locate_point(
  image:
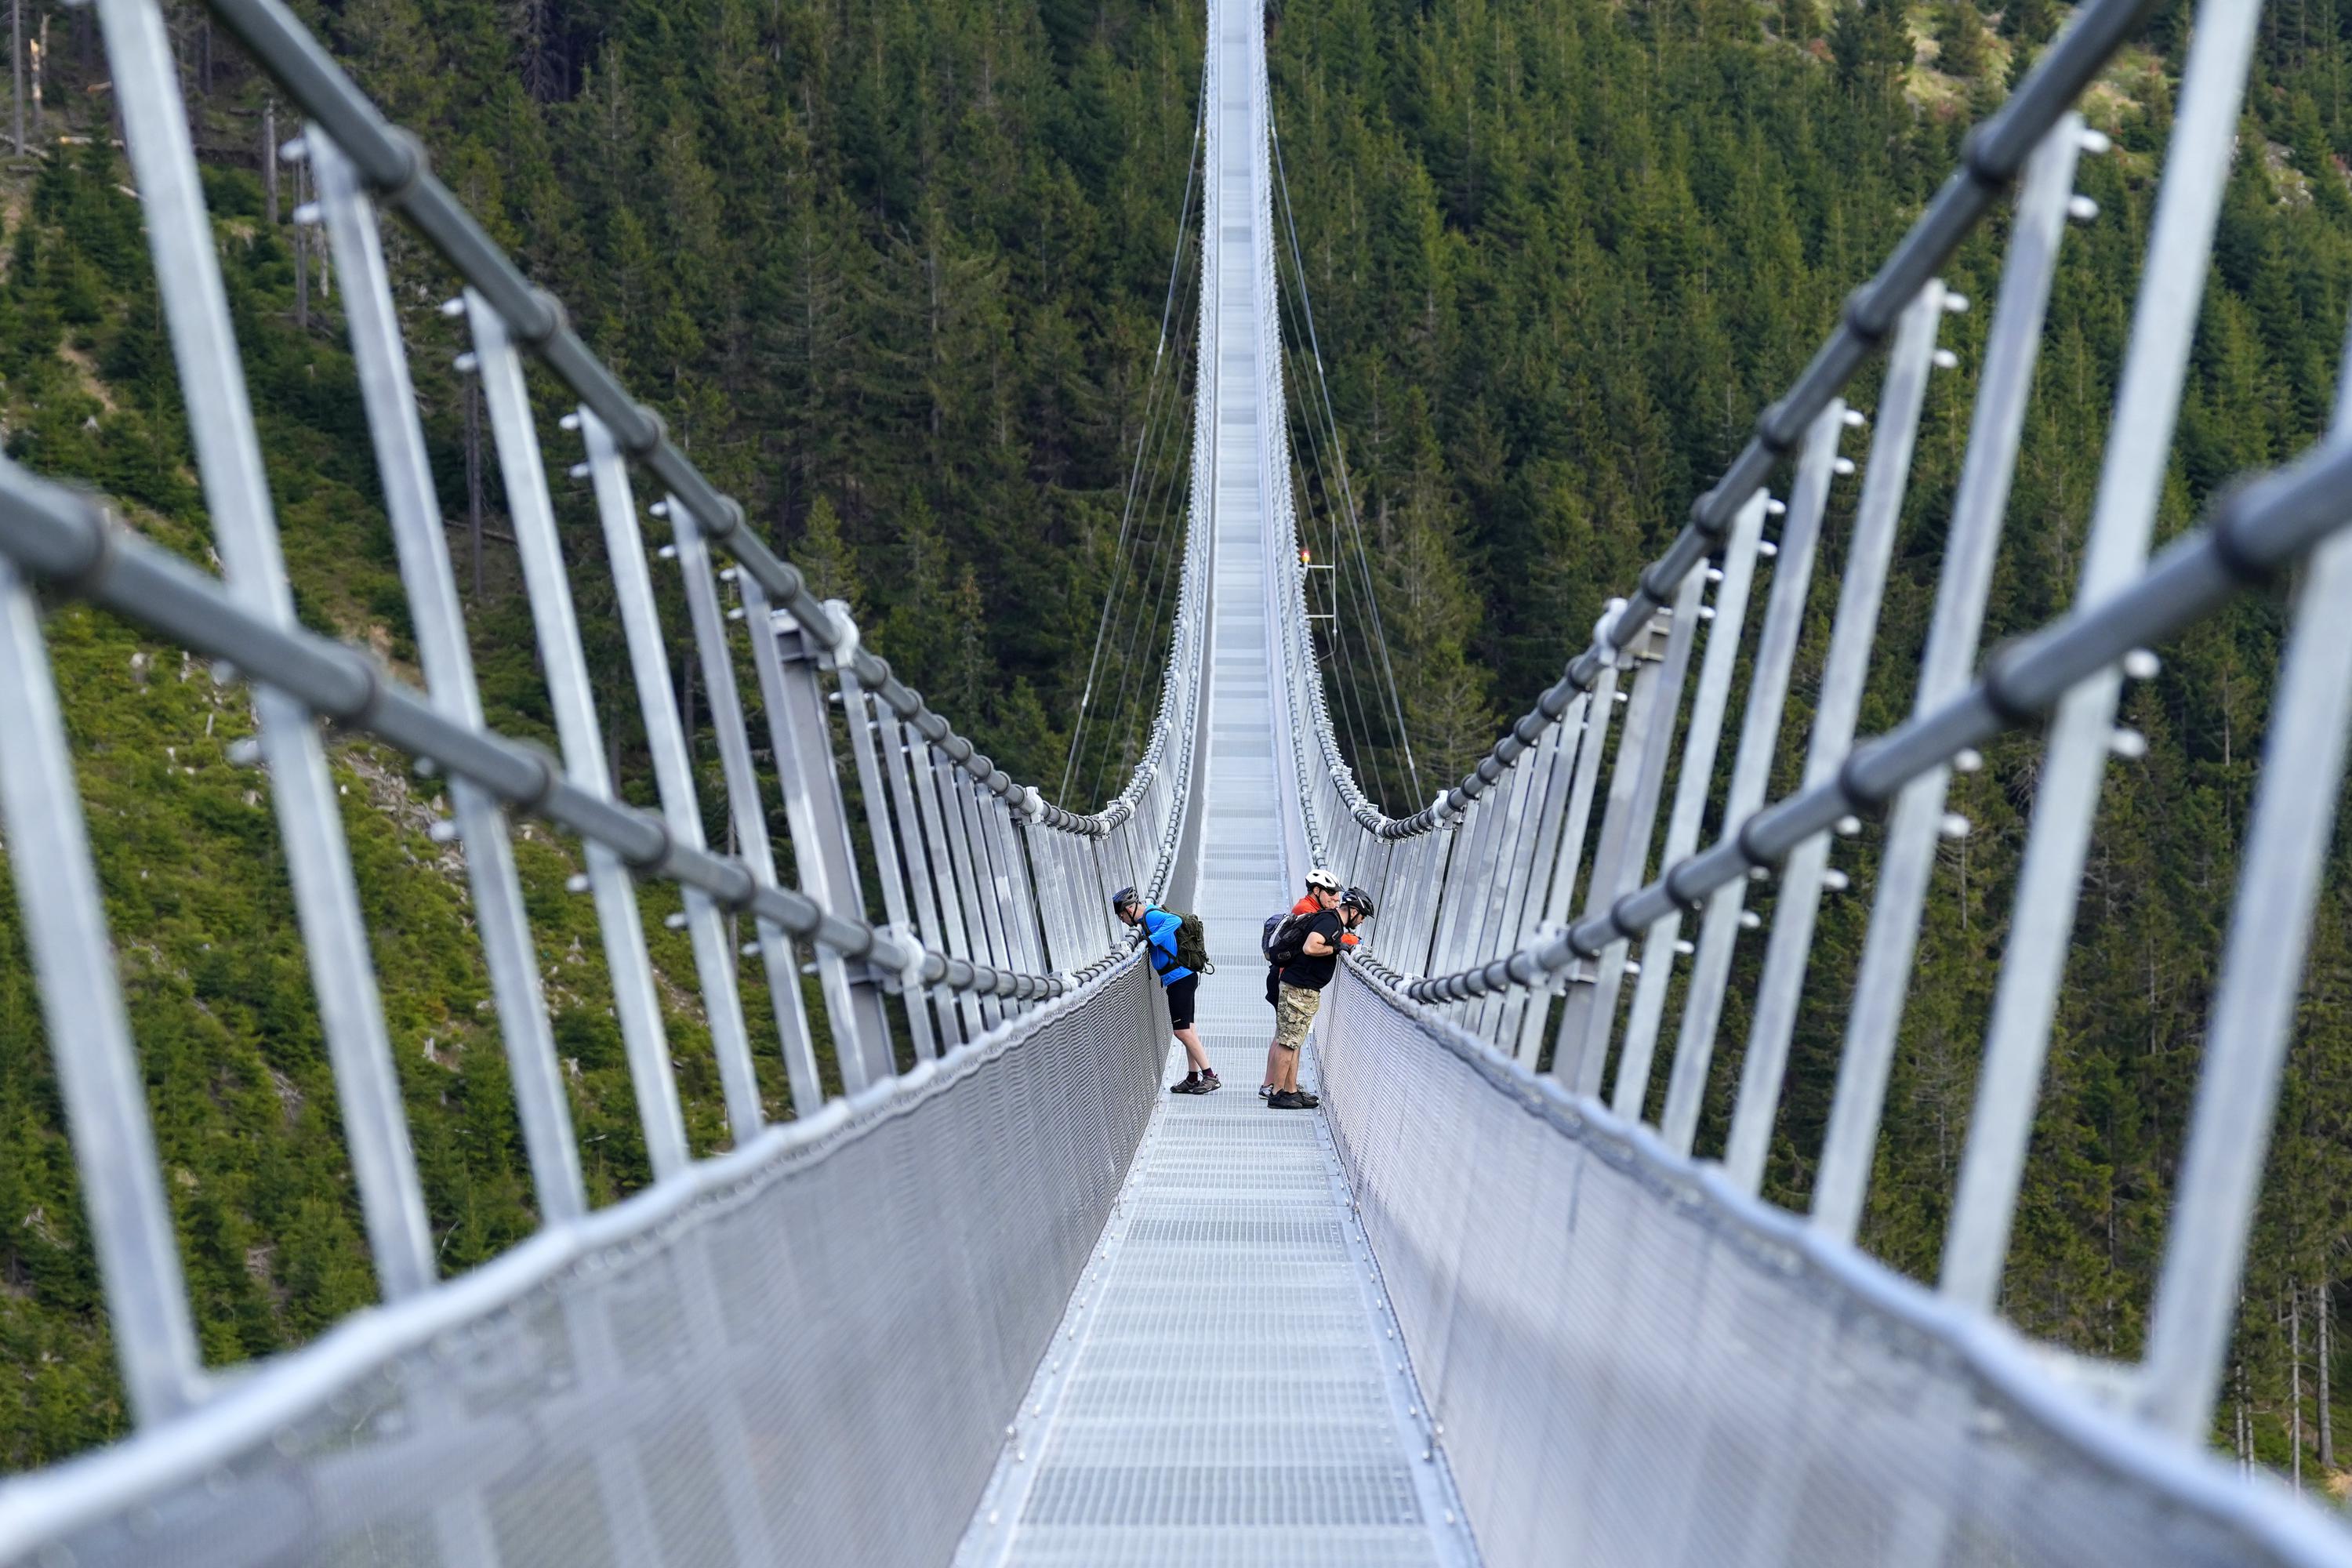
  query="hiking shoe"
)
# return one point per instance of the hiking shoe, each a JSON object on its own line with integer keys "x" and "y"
{"x": 1210, "y": 1083}
{"x": 1286, "y": 1101}
{"x": 1191, "y": 1085}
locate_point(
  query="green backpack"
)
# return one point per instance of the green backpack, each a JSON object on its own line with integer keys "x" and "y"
{"x": 1192, "y": 943}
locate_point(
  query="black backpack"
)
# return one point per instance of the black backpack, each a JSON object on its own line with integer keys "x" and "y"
{"x": 1285, "y": 939}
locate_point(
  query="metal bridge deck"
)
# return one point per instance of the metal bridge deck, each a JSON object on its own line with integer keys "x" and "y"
{"x": 1228, "y": 1386}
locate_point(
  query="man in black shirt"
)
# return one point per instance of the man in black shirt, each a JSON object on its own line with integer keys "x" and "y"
{"x": 1301, "y": 991}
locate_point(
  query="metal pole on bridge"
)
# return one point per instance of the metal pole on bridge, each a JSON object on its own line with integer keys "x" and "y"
{"x": 778, "y": 959}
{"x": 714, "y": 955}
{"x": 801, "y": 737}
{"x": 236, "y": 493}
{"x": 1906, "y": 857}
{"x": 1759, "y": 735}
{"x": 2074, "y": 758}
{"x": 636, "y": 1002}
{"x": 1837, "y": 710}
{"x": 542, "y": 1106}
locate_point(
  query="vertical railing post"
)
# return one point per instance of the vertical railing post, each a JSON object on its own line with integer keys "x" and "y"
{"x": 2074, "y": 757}
{"x": 1839, "y": 706}
{"x": 636, "y": 1002}
{"x": 989, "y": 891}
{"x": 933, "y": 780}
{"x": 1600, "y": 710}
{"x": 236, "y": 493}
{"x": 1906, "y": 859}
{"x": 2300, "y": 785}
{"x": 543, "y": 1108}
{"x": 859, "y": 717}
{"x": 666, "y": 738}
{"x": 723, "y": 696}
{"x": 98, "y": 1080}
{"x": 1559, "y": 768}
{"x": 800, "y": 734}
{"x": 1692, "y": 785}
{"x": 1519, "y": 866}
{"x": 1588, "y": 1016}
{"x": 1760, "y": 737}
{"x": 896, "y": 762}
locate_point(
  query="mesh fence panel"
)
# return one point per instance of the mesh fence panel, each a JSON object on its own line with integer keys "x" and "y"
{"x": 814, "y": 1365}
{"x": 1632, "y": 1368}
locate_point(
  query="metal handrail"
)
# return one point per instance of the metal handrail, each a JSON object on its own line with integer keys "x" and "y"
{"x": 66, "y": 538}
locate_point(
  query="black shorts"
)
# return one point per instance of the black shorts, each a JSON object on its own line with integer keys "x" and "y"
{"x": 1180, "y": 1001}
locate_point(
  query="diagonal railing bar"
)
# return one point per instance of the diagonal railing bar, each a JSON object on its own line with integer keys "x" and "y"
{"x": 633, "y": 589}
{"x": 1661, "y": 943}
{"x": 1861, "y": 583}
{"x": 747, "y": 811}
{"x": 636, "y": 1001}
{"x": 1907, "y": 859}
{"x": 1588, "y": 1013}
{"x": 2293, "y": 823}
{"x": 1793, "y": 555}
{"x": 98, "y": 1076}
{"x": 2122, "y": 520}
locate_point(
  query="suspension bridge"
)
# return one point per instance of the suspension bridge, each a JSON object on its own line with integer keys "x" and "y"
{"x": 1017, "y": 1305}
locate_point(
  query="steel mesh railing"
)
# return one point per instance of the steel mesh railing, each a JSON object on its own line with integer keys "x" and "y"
{"x": 802, "y": 1351}
{"x": 989, "y": 894}
{"x": 1630, "y": 1361}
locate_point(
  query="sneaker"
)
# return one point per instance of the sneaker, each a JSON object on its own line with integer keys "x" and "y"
{"x": 1265, "y": 1092}
{"x": 1210, "y": 1083}
{"x": 1286, "y": 1101}
{"x": 1192, "y": 1085}
{"x": 1307, "y": 1101}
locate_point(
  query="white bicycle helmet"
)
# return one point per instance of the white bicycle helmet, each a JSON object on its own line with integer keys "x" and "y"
{"x": 1320, "y": 877}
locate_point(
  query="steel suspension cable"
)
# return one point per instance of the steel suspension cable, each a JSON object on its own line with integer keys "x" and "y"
{"x": 1135, "y": 470}
{"x": 1355, "y": 523}
{"x": 1340, "y": 682}
{"x": 1156, "y": 503}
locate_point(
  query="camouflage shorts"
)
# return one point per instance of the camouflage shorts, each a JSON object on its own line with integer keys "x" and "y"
{"x": 1293, "y": 1011}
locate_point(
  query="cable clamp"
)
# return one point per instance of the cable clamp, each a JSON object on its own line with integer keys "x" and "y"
{"x": 1604, "y": 633}
{"x": 1557, "y": 979}
{"x": 910, "y": 967}
{"x": 844, "y": 647}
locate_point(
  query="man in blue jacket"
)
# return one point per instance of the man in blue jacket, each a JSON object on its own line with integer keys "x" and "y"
{"x": 1180, "y": 983}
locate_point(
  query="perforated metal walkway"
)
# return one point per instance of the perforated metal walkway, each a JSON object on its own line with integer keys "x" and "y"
{"x": 1228, "y": 1386}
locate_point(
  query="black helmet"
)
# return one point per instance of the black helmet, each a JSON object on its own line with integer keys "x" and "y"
{"x": 1358, "y": 900}
{"x": 1123, "y": 898}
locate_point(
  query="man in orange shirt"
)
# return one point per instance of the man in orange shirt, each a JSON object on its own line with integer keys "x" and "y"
{"x": 1322, "y": 893}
